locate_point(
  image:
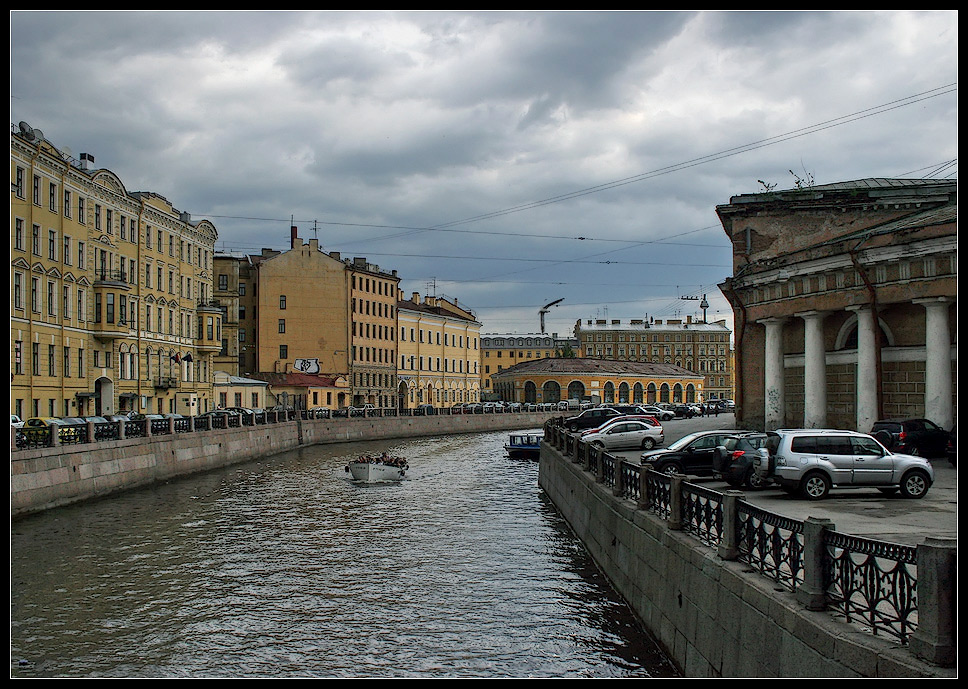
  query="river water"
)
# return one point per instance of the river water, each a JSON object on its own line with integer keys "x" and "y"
{"x": 287, "y": 568}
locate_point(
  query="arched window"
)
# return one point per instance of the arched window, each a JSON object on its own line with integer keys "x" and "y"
{"x": 609, "y": 392}
{"x": 530, "y": 392}
{"x": 637, "y": 393}
{"x": 623, "y": 393}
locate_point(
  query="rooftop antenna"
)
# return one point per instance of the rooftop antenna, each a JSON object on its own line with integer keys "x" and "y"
{"x": 545, "y": 309}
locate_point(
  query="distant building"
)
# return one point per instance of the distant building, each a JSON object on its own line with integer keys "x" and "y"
{"x": 306, "y": 311}
{"x": 598, "y": 380}
{"x": 845, "y": 298}
{"x": 438, "y": 345}
{"x": 697, "y": 346}
{"x": 501, "y": 350}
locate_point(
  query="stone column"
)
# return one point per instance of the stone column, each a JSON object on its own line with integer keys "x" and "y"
{"x": 814, "y": 370}
{"x": 866, "y": 368}
{"x": 935, "y": 638}
{"x": 937, "y": 369}
{"x": 774, "y": 403}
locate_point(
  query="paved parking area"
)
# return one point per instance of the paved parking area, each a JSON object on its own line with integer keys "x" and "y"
{"x": 858, "y": 511}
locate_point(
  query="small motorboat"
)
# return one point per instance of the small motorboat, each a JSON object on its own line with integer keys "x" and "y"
{"x": 380, "y": 469}
{"x": 524, "y": 445}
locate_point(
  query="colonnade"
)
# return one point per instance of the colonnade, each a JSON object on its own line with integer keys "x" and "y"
{"x": 938, "y": 389}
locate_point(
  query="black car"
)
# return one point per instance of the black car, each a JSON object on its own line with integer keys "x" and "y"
{"x": 692, "y": 454}
{"x": 919, "y": 437}
{"x": 735, "y": 459}
{"x": 685, "y": 411}
{"x": 591, "y": 418}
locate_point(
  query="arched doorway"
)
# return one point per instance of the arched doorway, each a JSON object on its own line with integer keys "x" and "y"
{"x": 530, "y": 392}
{"x": 103, "y": 396}
{"x": 576, "y": 390}
{"x": 551, "y": 391}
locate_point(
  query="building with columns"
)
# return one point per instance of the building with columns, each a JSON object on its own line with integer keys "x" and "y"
{"x": 845, "y": 303}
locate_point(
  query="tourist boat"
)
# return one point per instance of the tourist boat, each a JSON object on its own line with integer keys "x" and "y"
{"x": 524, "y": 445}
{"x": 378, "y": 469}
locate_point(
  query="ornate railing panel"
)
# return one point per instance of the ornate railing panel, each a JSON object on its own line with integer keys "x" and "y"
{"x": 658, "y": 491}
{"x": 702, "y": 513}
{"x": 873, "y": 582}
{"x": 771, "y": 544}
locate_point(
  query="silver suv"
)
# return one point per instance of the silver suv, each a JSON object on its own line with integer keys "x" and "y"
{"x": 812, "y": 461}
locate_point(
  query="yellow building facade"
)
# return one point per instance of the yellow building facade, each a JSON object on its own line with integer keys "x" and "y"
{"x": 438, "y": 346}
{"x": 309, "y": 312}
{"x": 697, "y": 346}
{"x": 596, "y": 380}
{"x": 501, "y": 351}
{"x": 111, "y": 292}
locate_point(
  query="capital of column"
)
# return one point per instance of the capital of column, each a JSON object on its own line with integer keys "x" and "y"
{"x": 928, "y": 302}
{"x": 813, "y": 313}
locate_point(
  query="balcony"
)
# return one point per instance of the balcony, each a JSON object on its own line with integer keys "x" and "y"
{"x": 107, "y": 332}
{"x": 114, "y": 279}
{"x": 166, "y": 382}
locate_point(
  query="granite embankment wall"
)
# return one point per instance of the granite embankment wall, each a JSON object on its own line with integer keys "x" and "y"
{"x": 714, "y": 617}
{"x": 49, "y": 477}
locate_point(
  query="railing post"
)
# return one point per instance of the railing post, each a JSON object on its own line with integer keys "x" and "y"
{"x": 599, "y": 464}
{"x": 121, "y": 423}
{"x": 934, "y": 639}
{"x": 619, "y": 483}
{"x": 729, "y": 544}
{"x": 171, "y": 425}
{"x": 90, "y": 431}
{"x": 675, "y": 502}
{"x": 813, "y": 593}
{"x": 644, "y": 497}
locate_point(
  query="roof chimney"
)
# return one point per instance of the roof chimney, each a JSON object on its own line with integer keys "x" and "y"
{"x": 292, "y": 237}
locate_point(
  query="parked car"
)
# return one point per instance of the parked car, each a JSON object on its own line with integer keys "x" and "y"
{"x": 38, "y": 428}
{"x": 318, "y": 413}
{"x": 686, "y": 411}
{"x": 249, "y": 416}
{"x": 16, "y": 421}
{"x": 736, "y": 459}
{"x": 919, "y": 437}
{"x": 362, "y": 410}
{"x": 812, "y": 461}
{"x": 624, "y": 434}
{"x": 590, "y": 418}
{"x": 424, "y": 410}
{"x": 659, "y": 413}
{"x": 691, "y": 454}
{"x": 651, "y": 420}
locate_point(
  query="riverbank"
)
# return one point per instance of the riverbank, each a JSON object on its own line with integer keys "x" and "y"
{"x": 44, "y": 478}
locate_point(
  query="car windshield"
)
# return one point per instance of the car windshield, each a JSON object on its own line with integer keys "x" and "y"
{"x": 683, "y": 441}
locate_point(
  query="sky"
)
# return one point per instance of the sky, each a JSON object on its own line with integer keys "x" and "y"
{"x": 507, "y": 160}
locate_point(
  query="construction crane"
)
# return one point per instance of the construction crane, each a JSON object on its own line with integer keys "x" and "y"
{"x": 545, "y": 309}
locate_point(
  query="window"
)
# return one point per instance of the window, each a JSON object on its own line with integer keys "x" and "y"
{"x": 20, "y": 183}
{"x": 18, "y": 234}
{"x": 223, "y": 282}
{"x": 283, "y": 351}
{"x": 97, "y": 216}
{"x": 67, "y": 251}
{"x": 282, "y": 325}
{"x": 35, "y": 240}
{"x": 52, "y": 245}
{"x": 80, "y": 211}
{"x": 282, "y": 301}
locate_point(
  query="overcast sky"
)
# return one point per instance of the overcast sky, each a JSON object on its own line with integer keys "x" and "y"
{"x": 505, "y": 159}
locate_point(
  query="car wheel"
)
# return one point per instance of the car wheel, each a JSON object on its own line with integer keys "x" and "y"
{"x": 672, "y": 468}
{"x": 815, "y": 486}
{"x": 915, "y": 484}
{"x": 754, "y": 480}
{"x": 733, "y": 481}
{"x": 573, "y": 428}
{"x": 598, "y": 445}
{"x": 648, "y": 443}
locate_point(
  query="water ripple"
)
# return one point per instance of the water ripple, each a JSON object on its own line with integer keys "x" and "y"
{"x": 285, "y": 568}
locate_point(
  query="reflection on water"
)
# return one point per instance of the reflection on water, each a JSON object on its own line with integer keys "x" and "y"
{"x": 286, "y": 568}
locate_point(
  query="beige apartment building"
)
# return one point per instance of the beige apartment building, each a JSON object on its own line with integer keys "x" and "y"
{"x": 110, "y": 291}
{"x": 439, "y": 352}
{"x": 503, "y": 350}
{"x": 304, "y": 311}
{"x": 694, "y": 345}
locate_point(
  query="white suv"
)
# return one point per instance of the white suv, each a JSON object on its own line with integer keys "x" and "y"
{"x": 812, "y": 461}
